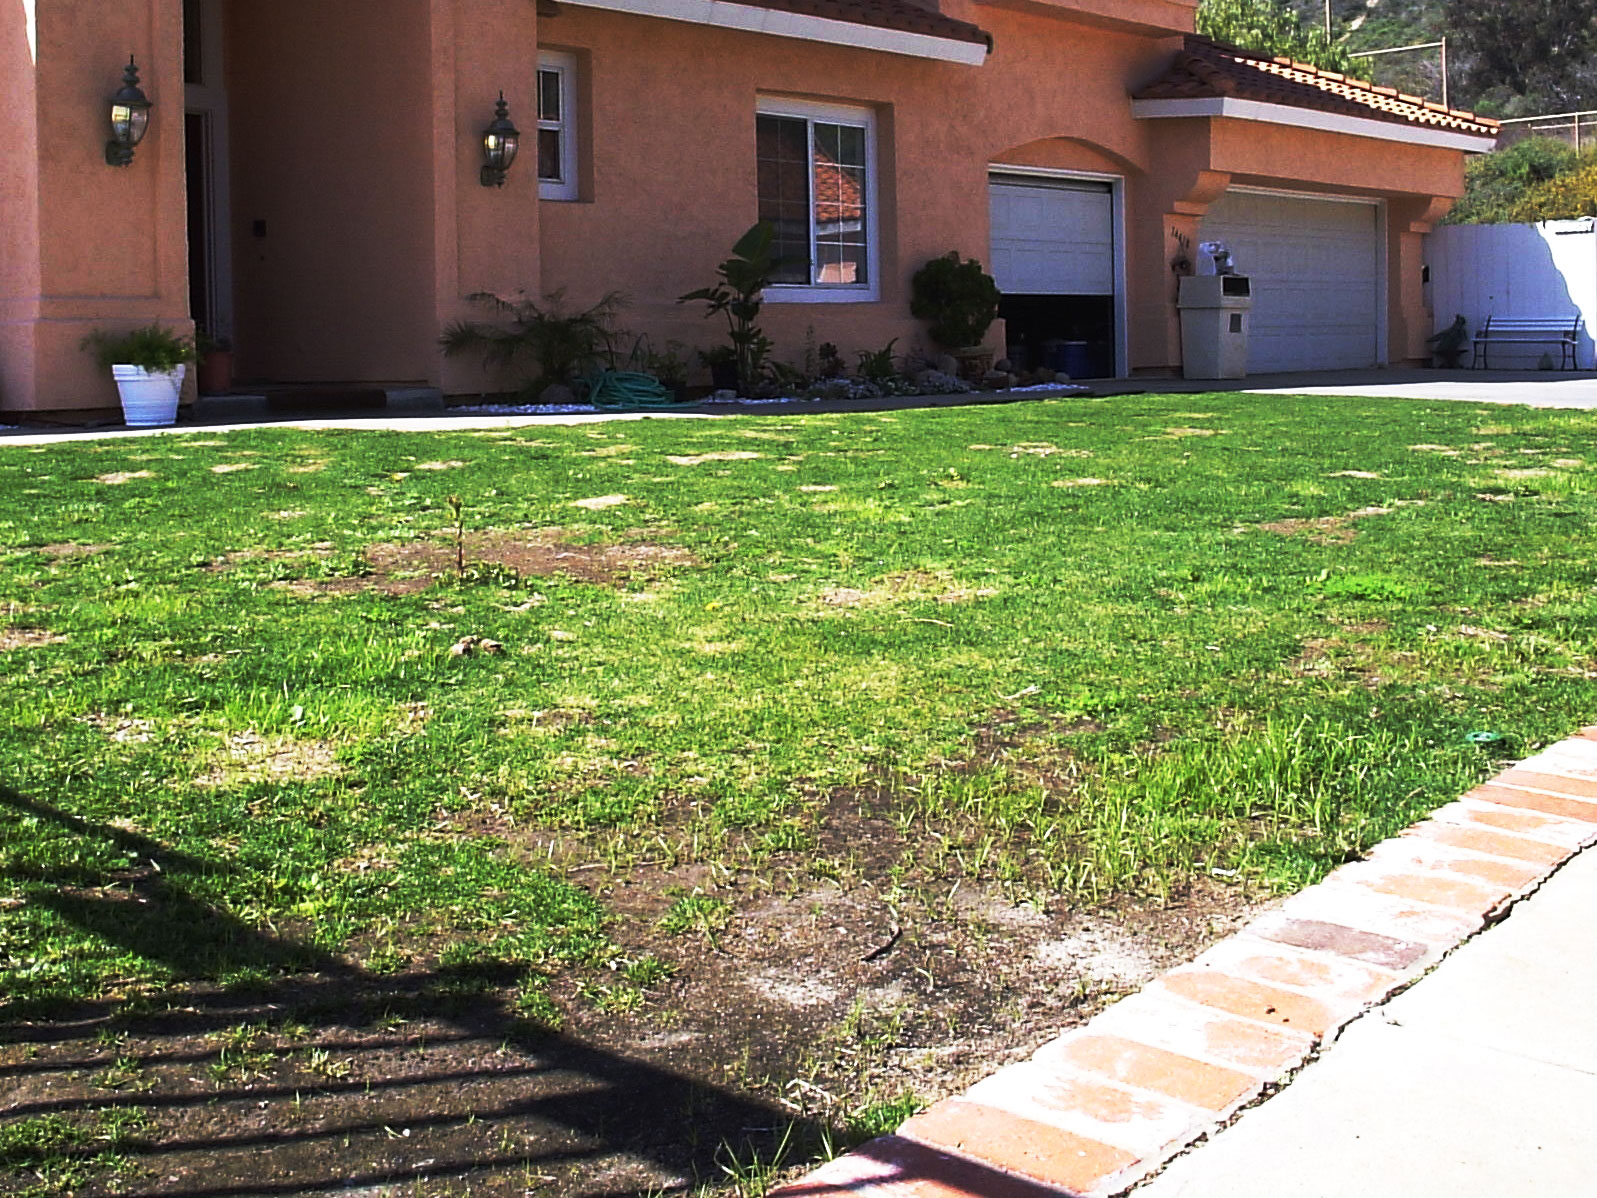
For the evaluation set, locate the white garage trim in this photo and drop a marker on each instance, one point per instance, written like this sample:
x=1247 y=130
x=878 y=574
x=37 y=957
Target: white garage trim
x=996 y=172
x=1380 y=265
x=1309 y=118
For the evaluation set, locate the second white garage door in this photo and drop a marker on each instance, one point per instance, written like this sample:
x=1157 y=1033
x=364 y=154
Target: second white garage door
x=1315 y=266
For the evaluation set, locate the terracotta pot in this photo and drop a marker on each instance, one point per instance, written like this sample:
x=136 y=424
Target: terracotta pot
x=215 y=376
x=974 y=362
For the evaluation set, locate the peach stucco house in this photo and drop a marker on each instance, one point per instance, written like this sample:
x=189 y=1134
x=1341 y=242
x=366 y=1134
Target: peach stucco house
x=309 y=185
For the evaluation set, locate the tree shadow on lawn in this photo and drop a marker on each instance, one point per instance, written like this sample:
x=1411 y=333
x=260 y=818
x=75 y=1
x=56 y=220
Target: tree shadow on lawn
x=344 y=1079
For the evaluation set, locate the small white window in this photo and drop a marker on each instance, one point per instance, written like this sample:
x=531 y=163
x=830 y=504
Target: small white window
x=817 y=185
x=557 y=126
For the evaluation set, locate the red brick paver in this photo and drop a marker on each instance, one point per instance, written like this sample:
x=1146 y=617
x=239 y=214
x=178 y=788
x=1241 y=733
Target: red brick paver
x=1095 y=1110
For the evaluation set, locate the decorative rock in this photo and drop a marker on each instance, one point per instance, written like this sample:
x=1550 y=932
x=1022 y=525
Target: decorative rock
x=557 y=393
x=1043 y=375
x=724 y=395
x=947 y=364
x=1005 y=365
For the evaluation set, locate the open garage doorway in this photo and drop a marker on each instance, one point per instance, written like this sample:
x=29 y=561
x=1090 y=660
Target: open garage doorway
x=1056 y=257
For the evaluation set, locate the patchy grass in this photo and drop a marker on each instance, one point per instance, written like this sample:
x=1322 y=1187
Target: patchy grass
x=1069 y=651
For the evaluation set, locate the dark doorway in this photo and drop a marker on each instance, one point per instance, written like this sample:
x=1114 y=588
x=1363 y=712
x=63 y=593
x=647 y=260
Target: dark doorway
x=202 y=274
x=1070 y=333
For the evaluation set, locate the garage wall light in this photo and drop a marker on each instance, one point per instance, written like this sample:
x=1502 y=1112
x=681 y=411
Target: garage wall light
x=500 y=141
x=130 y=117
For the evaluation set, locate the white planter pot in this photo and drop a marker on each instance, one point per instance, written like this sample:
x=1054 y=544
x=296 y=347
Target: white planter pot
x=149 y=399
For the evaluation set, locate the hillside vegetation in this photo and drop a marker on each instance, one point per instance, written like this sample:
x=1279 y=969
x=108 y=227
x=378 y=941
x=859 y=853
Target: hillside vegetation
x=1504 y=60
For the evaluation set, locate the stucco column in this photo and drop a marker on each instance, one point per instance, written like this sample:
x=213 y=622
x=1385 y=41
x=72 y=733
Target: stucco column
x=486 y=237
x=1408 y=221
x=1181 y=248
x=84 y=245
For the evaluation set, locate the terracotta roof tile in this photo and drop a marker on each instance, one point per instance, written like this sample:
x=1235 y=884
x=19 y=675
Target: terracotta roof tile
x=904 y=16
x=1206 y=70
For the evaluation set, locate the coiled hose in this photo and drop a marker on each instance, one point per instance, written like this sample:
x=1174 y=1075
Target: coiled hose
x=628 y=391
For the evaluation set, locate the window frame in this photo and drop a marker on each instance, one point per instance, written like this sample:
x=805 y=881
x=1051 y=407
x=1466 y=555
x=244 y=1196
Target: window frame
x=563 y=65
x=858 y=117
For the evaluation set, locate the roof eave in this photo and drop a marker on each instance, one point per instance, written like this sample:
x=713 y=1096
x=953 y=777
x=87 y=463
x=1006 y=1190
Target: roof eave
x=753 y=19
x=1313 y=118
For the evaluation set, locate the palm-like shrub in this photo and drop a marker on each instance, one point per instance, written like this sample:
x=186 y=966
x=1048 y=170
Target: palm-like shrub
x=553 y=345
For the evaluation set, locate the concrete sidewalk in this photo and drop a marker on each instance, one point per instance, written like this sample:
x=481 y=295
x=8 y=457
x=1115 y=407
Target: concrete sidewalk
x=1420 y=1023
x=1481 y=1079
x=1538 y=389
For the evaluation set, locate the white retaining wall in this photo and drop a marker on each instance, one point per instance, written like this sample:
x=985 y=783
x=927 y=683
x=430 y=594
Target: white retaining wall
x=1517 y=271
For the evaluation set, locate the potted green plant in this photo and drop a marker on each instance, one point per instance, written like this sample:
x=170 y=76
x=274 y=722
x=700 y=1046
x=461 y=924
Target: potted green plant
x=960 y=301
x=148 y=365
x=722 y=362
x=738 y=296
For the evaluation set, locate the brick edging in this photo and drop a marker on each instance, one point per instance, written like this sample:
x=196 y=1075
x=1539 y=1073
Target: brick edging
x=1099 y=1108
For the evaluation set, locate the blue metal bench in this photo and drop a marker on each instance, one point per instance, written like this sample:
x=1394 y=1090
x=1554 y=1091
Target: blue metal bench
x=1562 y=331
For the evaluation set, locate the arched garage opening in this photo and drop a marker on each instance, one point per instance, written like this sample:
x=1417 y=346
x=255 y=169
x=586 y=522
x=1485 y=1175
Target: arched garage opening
x=1057 y=253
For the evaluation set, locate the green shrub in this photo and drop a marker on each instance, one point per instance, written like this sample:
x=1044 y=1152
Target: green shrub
x=155 y=348
x=1496 y=185
x=559 y=346
x=1570 y=195
x=958 y=299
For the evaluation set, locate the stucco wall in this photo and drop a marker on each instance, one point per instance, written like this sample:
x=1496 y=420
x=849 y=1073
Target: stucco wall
x=673 y=179
x=86 y=246
x=19 y=206
x=355 y=127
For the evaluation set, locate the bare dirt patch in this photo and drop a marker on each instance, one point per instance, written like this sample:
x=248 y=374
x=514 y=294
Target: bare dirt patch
x=539 y=553
x=407 y=569
x=12 y=639
x=599 y=503
x=249 y=757
x=908 y=587
x=725 y=455
x=1353 y=656
x=118 y=478
x=817 y=996
x=1324 y=530
x=122 y=729
x=66 y=549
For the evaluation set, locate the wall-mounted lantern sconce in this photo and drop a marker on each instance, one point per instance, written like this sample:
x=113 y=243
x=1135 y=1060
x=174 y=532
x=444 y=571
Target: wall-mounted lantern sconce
x=500 y=141
x=130 y=117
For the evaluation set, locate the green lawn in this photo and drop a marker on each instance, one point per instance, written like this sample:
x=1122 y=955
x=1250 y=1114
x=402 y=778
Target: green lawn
x=1079 y=647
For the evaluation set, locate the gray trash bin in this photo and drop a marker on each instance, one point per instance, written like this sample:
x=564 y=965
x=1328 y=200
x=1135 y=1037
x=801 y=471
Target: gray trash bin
x=1214 y=326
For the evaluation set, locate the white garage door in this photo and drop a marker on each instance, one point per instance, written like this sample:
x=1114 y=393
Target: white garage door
x=1315 y=266
x=1053 y=237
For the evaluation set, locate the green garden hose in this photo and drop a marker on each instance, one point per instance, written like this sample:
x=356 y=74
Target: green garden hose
x=628 y=391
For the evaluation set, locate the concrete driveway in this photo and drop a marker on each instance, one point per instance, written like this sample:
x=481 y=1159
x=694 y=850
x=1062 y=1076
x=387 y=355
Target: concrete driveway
x=1535 y=388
